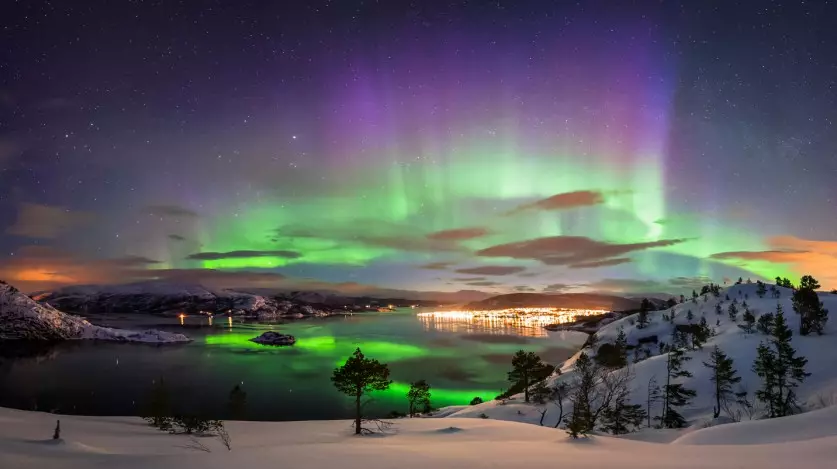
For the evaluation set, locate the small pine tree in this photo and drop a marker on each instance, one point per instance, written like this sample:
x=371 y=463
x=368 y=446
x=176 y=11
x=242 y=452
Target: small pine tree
x=358 y=377
x=581 y=420
x=807 y=304
x=765 y=322
x=749 y=321
x=733 y=312
x=237 y=402
x=718 y=309
x=781 y=370
x=694 y=296
x=723 y=377
x=418 y=397
x=642 y=317
x=621 y=345
x=653 y=396
x=761 y=290
x=690 y=316
x=524 y=366
x=158 y=409
x=675 y=395
x=621 y=417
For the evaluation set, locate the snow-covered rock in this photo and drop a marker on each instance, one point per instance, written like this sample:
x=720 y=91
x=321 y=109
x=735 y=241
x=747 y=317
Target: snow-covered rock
x=274 y=338
x=22 y=318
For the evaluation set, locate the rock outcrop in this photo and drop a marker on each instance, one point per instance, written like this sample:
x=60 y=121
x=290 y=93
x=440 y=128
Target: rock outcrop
x=274 y=338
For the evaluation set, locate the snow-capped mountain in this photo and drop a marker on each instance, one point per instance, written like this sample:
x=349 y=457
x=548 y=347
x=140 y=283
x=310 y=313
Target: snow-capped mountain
x=22 y=318
x=171 y=299
x=647 y=363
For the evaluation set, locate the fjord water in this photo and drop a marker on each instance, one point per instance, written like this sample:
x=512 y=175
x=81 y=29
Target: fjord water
x=460 y=359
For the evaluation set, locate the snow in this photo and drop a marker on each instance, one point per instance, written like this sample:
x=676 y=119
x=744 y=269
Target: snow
x=127 y=443
x=22 y=317
x=818 y=390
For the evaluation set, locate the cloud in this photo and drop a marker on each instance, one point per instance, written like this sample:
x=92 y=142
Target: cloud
x=803 y=256
x=46 y=222
x=563 y=201
x=528 y=274
x=468 y=279
x=524 y=288
x=176 y=237
x=174 y=211
x=601 y=263
x=626 y=285
x=484 y=283
x=133 y=261
x=460 y=234
x=382 y=234
x=214 y=256
x=491 y=270
x=557 y=287
x=436 y=265
x=570 y=250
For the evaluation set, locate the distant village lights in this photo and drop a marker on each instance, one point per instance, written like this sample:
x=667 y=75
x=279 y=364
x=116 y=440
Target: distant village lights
x=524 y=316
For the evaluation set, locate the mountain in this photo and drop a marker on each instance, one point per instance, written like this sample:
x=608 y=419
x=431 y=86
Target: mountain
x=170 y=299
x=22 y=318
x=818 y=390
x=564 y=300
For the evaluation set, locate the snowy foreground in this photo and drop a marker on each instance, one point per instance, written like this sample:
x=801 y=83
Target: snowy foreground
x=126 y=442
x=22 y=318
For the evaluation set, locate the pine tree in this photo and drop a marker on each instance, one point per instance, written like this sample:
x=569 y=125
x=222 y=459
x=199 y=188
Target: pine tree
x=682 y=299
x=621 y=345
x=761 y=290
x=158 y=412
x=642 y=318
x=749 y=321
x=704 y=331
x=418 y=397
x=675 y=395
x=581 y=420
x=723 y=377
x=690 y=316
x=765 y=322
x=358 y=377
x=781 y=370
x=718 y=309
x=620 y=417
x=237 y=402
x=524 y=367
x=654 y=395
x=694 y=296
x=807 y=304
x=733 y=312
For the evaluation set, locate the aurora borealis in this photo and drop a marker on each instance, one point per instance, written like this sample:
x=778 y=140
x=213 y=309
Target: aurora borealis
x=365 y=147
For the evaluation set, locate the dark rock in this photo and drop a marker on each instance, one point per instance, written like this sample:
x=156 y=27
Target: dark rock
x=274 y=338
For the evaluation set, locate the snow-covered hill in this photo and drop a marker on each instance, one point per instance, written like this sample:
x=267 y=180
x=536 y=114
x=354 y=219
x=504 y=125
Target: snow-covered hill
x=818 y=390
x=22 y=318
x=127 y=443
x=173 y=298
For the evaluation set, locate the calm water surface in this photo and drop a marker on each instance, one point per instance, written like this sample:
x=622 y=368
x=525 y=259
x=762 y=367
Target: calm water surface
x=460 y=360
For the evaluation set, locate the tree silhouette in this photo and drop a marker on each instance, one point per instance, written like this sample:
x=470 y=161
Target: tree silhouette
x=358 y=377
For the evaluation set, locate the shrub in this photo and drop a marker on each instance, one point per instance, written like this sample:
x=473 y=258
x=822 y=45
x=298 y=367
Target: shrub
x=476 y=400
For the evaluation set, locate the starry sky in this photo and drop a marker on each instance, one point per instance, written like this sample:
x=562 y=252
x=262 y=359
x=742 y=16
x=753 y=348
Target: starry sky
x=371 y=146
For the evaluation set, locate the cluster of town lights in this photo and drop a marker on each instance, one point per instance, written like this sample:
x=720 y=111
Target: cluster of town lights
x=523 y=316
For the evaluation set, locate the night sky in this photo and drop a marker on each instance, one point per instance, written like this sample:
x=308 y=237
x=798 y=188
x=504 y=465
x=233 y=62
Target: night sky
x=498 y=146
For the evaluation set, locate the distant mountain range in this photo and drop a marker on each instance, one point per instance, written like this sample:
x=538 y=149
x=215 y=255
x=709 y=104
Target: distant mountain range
x=563 y=300
x=22 y=318
x=167 y=298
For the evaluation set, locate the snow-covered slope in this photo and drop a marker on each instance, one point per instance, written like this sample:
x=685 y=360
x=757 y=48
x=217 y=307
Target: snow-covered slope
x=127 y=443
x=22 y=318
x=818 y=390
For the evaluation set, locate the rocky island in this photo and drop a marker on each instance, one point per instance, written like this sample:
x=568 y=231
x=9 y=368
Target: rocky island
x=274 y=338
